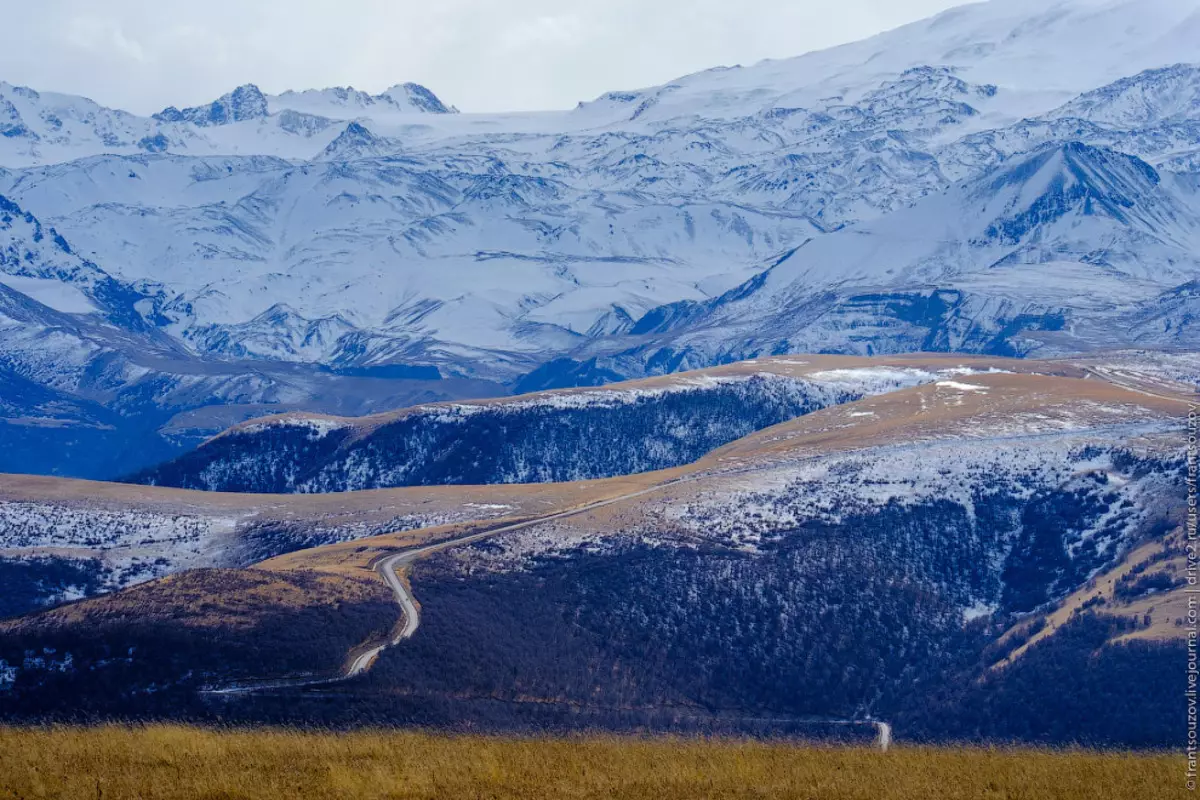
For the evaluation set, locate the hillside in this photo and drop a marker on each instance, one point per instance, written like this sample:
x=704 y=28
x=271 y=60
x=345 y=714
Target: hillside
x=63 y=539
x=874 y=559
x=928 y=549
x=621 y=429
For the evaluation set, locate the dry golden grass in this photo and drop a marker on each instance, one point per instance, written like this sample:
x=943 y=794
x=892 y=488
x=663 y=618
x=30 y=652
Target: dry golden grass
x=369 y=504
x=180 y=762
x=792 y=366
x=1007 y=403
x=228 y=599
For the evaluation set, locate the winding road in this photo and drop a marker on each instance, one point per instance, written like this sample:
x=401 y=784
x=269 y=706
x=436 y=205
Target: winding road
x=389 y=569
x=408 y=606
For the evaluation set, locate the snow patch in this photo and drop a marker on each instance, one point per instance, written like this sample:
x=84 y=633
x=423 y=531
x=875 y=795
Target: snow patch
x=55 y=294
x=963 y=387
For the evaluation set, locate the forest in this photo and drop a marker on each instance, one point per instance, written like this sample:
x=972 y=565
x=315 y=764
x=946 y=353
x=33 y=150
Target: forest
x=541 y=440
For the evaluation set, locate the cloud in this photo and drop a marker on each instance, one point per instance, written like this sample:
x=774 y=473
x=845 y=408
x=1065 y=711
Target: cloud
x=103 y=37
x=556 y=31
x=481 y=55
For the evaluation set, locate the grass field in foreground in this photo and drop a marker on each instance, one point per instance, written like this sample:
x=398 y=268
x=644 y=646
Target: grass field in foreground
x=180 y=762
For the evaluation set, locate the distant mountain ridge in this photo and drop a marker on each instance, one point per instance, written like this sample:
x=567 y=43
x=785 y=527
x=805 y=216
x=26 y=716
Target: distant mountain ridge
x=1010 y=178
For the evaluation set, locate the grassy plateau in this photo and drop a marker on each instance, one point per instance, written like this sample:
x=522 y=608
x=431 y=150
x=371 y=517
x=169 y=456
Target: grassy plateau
x=184 y=762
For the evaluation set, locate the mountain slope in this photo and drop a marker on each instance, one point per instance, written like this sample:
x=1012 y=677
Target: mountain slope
x=1039 y=54
x=553 y=436
x=94 y=386
x=1047 y=250
x=735 y=593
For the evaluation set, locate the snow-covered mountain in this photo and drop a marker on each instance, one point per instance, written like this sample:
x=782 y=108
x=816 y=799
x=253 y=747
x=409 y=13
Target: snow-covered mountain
x=1059 y=250
x=402 y=100
x=1007 y=177
x=42 y=127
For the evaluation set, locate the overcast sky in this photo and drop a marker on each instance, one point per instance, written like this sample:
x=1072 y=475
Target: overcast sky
x=480 y=55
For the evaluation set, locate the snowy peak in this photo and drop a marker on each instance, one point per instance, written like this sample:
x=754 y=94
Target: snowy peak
x=243 y=103
x=44 y=128
x=1039 y=54
x=417 y=97
x=1057 y=190
x=320 y=101
x=1152 y=97
x=355 y=142
x=928 y=90
x=346 y=102
x=1070 y=215
x=41 y=127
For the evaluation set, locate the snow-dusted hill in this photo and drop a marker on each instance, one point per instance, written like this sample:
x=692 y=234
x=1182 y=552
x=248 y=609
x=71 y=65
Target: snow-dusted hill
x=874 y=558
x=1005 y=177
x=539 y=437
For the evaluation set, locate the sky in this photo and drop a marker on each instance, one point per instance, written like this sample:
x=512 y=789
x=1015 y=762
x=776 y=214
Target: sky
x=479 y=55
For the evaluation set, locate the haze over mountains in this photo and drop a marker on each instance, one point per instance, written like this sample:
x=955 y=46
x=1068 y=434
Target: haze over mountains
x=1011 y=178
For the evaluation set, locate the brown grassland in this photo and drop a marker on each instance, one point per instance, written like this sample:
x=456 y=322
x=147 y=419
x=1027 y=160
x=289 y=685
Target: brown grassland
x=182 y=762
x=791 y=366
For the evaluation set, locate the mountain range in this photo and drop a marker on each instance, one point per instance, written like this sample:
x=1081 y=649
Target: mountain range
x=1008 y=178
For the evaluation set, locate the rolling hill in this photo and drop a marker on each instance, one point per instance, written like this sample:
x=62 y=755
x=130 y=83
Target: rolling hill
x=888 y=557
